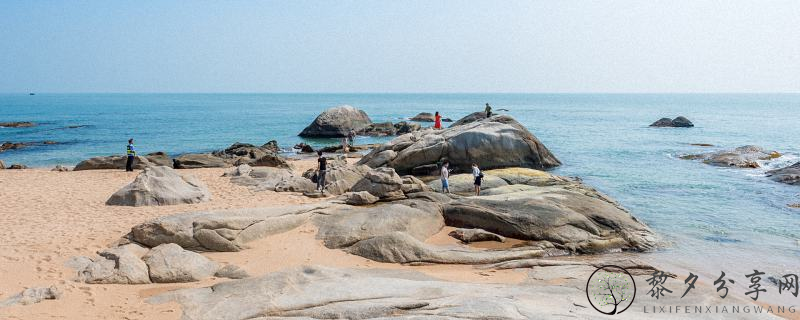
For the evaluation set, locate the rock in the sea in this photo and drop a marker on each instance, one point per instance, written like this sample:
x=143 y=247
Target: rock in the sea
x=32 y=295
x=169 y=263
x=383 y=183
x=796 y=206
x=17 y=166
x=424 y=117
x=679 y=122
x=496 y=142
x=12 y=146
x=159 y=186
x=379 y=129
x=21 y=124
x=788 y=175
x=404 y=127
x=271 y=145
x=60 y=168
x=202 y=160
x=337 y=122
x=475 y=235
x=741 y=157
x=304 y=148
x=472 y=117
x=359 y=198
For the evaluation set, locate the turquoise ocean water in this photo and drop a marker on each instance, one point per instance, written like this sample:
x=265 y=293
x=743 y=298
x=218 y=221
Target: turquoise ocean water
x=713 y=219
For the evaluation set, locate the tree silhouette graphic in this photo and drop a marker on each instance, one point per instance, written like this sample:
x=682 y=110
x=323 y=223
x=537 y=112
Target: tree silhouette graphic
x=610 y=292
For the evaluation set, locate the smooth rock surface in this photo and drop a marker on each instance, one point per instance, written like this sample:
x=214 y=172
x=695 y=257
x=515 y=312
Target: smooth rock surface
x=359 y=198
x=337 y=122
x=199 y=160
x=464 y=184
x=170 y=263
x=475 y=235
x=160 y=186
x=112 y=163
x=496 y=142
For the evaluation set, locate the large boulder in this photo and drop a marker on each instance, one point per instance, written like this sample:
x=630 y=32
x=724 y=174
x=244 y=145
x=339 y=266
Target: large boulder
x=158 y=186
x=741 y=157
x=111 y=162
x=569 y=217
x=170 y=263
x=496 y=142
x=788 y=175
x=679 y=122
x=337 y=122
x=472 y=117
x=201 y=160
x=383 y=183
x=424 y=117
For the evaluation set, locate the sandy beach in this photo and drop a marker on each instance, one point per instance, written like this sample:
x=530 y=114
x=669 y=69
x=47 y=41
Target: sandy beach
x=48 y=217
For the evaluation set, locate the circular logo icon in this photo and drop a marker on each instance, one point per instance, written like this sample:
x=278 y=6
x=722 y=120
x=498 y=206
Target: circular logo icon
x=611 y=289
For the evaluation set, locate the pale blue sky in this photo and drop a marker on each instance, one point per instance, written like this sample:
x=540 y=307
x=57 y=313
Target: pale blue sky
x=400 y=46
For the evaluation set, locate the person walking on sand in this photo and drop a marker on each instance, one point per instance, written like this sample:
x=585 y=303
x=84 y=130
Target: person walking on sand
x=488 y=110
x=445 y=174
x=321 y=168
x=478 y=175
x=437 y=124
x=131 y=156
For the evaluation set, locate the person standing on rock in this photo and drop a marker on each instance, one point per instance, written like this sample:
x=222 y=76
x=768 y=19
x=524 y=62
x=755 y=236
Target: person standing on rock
x=445 y=175
x=131 y=156
x=478 y=175
x=437 y=124
x=351 y=138
x=488 y=110
x=321 y=168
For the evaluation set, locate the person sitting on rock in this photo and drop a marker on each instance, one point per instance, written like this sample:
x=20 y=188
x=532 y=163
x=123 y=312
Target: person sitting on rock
x=478 y=175
x=437 y=124
x=445 y=175
x=321 y=168
x=488 y=110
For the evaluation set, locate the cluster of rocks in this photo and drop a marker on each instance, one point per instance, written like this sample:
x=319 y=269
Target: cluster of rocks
x=160 y=185
x=15 y=166
x=236 y=154
x=788 y=175
x=132 y=263
x=679 y=122
x=340 y=121
x=741 y=157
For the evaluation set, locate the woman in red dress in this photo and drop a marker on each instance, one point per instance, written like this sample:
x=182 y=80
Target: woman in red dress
x=437 y=124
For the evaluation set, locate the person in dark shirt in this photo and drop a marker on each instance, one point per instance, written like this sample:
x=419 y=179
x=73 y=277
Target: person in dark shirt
x=323 y=163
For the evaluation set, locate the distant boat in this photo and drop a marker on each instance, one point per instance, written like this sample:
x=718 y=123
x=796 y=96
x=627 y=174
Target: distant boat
x=31 y=94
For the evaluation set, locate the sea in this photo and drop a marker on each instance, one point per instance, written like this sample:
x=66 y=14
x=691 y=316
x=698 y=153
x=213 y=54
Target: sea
x=710 y=219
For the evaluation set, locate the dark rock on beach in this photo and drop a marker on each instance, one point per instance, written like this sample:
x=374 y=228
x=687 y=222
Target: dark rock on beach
x=118 y=162
x=17 y=166
x=337 y=122
x=304 y=148
x=497 y=142
x=679 y=122
x=788 y=175
x=201 y=160
x=22 y=124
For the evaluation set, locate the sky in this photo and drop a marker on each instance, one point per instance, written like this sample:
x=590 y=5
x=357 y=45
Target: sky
x=400 y=46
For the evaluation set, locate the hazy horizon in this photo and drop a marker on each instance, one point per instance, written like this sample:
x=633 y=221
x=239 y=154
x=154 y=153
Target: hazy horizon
x=483 y=47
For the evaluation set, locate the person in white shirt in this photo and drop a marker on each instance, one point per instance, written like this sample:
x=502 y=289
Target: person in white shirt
x=478 y=177
x=445 y=174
